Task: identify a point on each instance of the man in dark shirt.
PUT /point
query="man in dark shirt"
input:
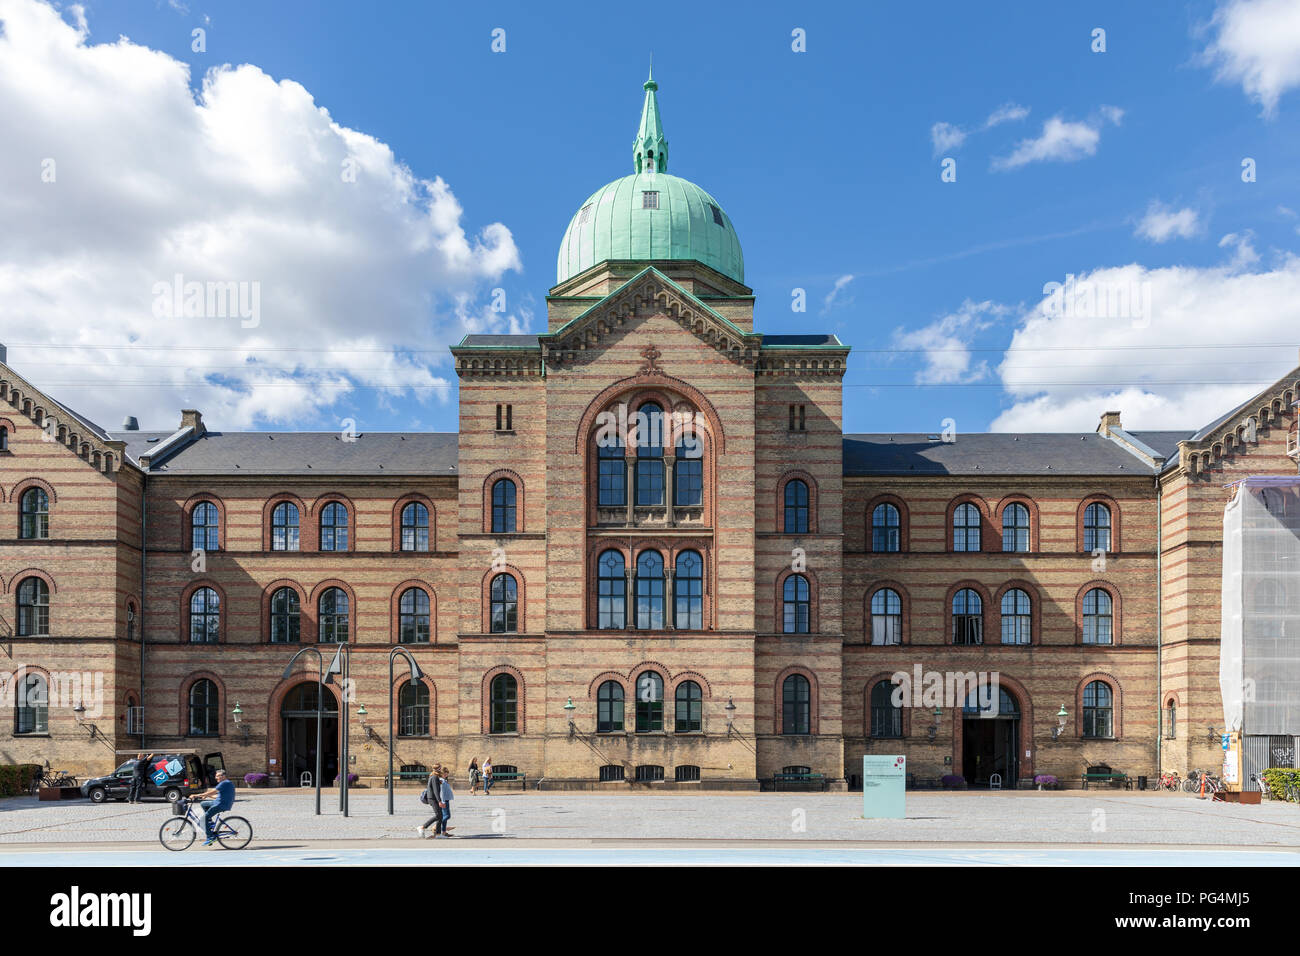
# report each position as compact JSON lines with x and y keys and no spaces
{"x":219,"y":798}
{"x":138,"y":777}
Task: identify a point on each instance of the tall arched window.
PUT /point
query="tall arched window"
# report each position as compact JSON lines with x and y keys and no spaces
{"x":504,"y":604}
{"x":611,"y":591}
{"x":966,"y":527}
{"x":609,"y":708}
{"x":334,"y":609}
{"x":886,"y":716}
{"x":886,"y":529}
{"x":688,"y":592}
{"x":649,"y":702}
{"x":1171,"y":719}
{"x":688,"y":472}
{"x":415,"y":527}
{"x":1097,"y":617}
{"x":334,"y":527}
{"x":33,"y":608}
{"x":796,"y":506}
{"x":649,"y":591}
{"x":35,"y":508}
{"x":1096,"y":527}
{"x":796,"y":605}
{"x":967,"y":617}
{"x":413,"y":710}
{"x":690,"y":708}
{"x":504,"y":705}
{"x":32,"y":709}
{"x":503,"y":506}
{"x":204,"y":532}
{"x":1098,"y":710}
{"x":1015,"y":528}
{"x":1017,"y":620}
{"x":4,"y":438}
{"x":611,"y":474}
{"x":413,"y":617}
{"x":284,"y":527}
{"x":130,"y":620}
{"x":650,"y":455}
{"x":205,"y":709}
{"x":286,"y":616}
{"x":796,"y":705}
{"x":205,"y":616}
{"x":886,"y":617}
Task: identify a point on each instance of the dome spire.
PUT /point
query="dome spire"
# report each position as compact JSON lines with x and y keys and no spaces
{"x":650,"y":148}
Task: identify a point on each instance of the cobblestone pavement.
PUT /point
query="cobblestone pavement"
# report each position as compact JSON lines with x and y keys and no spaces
{"x":983,"y":819}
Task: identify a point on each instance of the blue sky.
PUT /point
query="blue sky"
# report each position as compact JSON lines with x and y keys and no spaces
{"x":828,"y":162}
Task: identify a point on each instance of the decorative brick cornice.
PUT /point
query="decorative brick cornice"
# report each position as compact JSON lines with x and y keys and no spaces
{"x":104,"y":455}
{"x":1272,"y":408}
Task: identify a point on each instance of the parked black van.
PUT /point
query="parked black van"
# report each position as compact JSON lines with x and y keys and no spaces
{"x":171,"y":776}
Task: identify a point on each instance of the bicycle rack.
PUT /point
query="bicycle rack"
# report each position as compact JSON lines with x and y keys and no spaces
{"x":995,"y":781}
{"x":304,"y":779}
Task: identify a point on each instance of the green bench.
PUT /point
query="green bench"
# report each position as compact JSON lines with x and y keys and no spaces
{"x":1114,"y":778}
{"x":809,"y":779}
{"x":511,"y":776}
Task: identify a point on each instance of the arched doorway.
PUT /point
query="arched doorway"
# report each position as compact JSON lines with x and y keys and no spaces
{"x":298,"y":717}
{"x":991,"y":739}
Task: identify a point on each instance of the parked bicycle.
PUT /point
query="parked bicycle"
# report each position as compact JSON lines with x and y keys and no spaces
{"x":1193,"y":782}
{"x":1169,"y":780}
{"x":52,"y":778}
{"x":179,"y":832}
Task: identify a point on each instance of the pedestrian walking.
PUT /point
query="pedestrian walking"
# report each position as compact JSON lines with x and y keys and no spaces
{"x":432,"y":793}
{"x":138,"y":778}
{"x":487,"y":776}
{"x":447,"y":796}
{"x":473,"y":775}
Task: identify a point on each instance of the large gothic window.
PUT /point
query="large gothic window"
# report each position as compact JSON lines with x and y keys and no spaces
{"x":609,"y":708}
{"x":688,"y":473}
{"x":886,"y":715}
{"x":1097,"y":618}
{"x":503,"y":507}
{"x":885,"y":528}
{"x":650,"y":455}
{"x":205,"y":709}
{"x":32,"y":711}
{"x":284,"y":527}
{"x":611,"y":480}
{"x":1098,"y":710}
{"x":413,"y":617}
{"x":796,"y":605}
{"x":413,"y":710}
{"x":796,"y":703}
{"x":334,"y":527}
{"x":796,"y":507}
{"x":286,"y":616}
{"x":886,"y":617}
{"x":203,"y":526}
{"x":35,"y":508}
{"x":688,"y":592}
{"x":1017,"y":622}
{"x":967,"y":617}
{"x":649,"y":703}
{"x":504,"y":705}
{"x":33,"y":608}
{"x":334,"y":611}
{"x":504,"y":604}
{"x":415,"y":527}
{"x":205,"y":616}
{"x":966,"y":528}
{"x":1096,"y":527}
{"x":611,"y":591}
{"x":690,"y":704}
{"x":1015,"y":528}
{"x":649,"y":591}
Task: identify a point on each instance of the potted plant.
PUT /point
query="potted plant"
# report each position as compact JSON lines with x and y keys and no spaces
{"x":256,"y":779}
{"x":953,"y":781}
{"x":1046,"y":781}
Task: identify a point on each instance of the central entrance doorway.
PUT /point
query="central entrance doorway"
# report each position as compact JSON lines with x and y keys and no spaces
{"x":990,"y":741}
{"x":298,"y":715}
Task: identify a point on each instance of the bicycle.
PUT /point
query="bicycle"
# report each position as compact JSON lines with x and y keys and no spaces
{"x":179,"y":832}
{"x":1169,"y":780}
{"x":52,"y":778}
{"x":1193,"y":782}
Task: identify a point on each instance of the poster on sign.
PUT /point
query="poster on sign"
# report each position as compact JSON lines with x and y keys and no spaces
{"x":884,"y":778}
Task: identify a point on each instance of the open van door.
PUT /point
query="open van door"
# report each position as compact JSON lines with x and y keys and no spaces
{"x":211,"y":764}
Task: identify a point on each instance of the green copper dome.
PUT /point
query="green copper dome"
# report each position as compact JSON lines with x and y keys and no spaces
{"x":650,"y":214}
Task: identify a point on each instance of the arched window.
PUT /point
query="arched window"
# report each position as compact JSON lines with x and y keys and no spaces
{"x":1171,"y":719}
{"x":1097,"y":617}
{"x":333,"y":614}
{"x":649,"y":591}
{"x":205,"y":535}
{"x":611,"y":476}
{"x":688,"y":473}
{"x":284,"y":527}
{"x":979,"y":702}
{"x":886,"y":617}
{"x":503,"y":694}
{"x":650,"y":455}
{"x":966,"y":527}
{"x":504,"y":604}
{"x":1098,"y":710}
{"x":33,"y":608}
{"x":35,"y":509}
{"x":688,"y":592}
{"x":415,"y":527}
{"x":796,"y":506}
{"x":205,"y":709}
{"x":334,"y":527}
{"x":130,"y":621}
{"x":796,"y":705}
{"x":4,"y":438}
{"x":413,"y":710}
{"x":503,"y":506}
{"x":649,"y":702}
{"x":413,"y":617}
{"x":886,"y":533}
{"x":886,"y":716}
{"x":967,"y":617}
{"x":1017,"y":622}
{"x":32,"y":711}
{"x":205,"y":616}
{"x":690,"y":706}
{"x":611,"y":591}
{"x":286,"y":617}
{"x":609,"y":708}
{"x":796,"y":605}
{"x":1015,"y":528}
{"x":1096,"y":527}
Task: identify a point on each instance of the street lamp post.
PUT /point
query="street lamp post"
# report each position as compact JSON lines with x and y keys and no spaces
{"x":320,"y":691}
{"x":416,"y":674}
{"x":569,"y":709}
{"x":342,"y":665}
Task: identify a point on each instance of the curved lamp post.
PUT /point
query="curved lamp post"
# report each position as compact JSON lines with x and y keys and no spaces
{"x":342,"y":665}
{"x":569,"y":709}
{"x":416,"y":674}
{"x":320,"y":692}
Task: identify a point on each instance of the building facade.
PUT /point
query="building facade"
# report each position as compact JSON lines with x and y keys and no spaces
{"x":650,"y":554}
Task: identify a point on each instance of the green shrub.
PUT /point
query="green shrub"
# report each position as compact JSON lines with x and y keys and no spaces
{"x":17,"y":779}
{"x":1278,"y":777}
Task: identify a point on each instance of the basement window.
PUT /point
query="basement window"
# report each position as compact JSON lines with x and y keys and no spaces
{"x":650,"y":199}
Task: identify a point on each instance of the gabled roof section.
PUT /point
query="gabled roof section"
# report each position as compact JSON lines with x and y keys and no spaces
{"x":990,"y":453}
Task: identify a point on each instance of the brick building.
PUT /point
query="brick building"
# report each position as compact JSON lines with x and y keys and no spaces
{"x":649,"y":553}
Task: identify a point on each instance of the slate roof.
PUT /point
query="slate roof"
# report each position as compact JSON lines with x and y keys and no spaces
{"x":770,"y":341}
{"x":991,"y":453}
{"x":498,"y":342}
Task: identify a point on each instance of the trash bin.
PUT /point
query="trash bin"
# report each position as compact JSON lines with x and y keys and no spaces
{"x":1142,"y":783}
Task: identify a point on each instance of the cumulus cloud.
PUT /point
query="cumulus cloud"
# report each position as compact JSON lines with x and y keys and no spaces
{"x":1061,"y":140}
{"x":1256,"y":43}
{"x":1162,"y":223}
{"x":948,"y":136}
{"x":122,"y":179}
{"x":946,"y":344}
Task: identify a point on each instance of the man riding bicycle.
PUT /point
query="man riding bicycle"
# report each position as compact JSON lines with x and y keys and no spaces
{"x":214,"y":801}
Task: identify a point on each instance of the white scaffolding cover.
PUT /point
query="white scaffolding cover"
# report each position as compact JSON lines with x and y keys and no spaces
{"x":1259,"y":653}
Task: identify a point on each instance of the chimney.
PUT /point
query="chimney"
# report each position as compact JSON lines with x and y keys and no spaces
{"x":130,"y":424}
{"x":1109,"y":420}
{"x":192,"y":418}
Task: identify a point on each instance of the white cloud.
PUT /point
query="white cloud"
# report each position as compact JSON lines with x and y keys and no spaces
{"x":1061,"y":140}
{"x":1257,"y":44}
{"x":1162,"y":223}
{"x":946,"y":344}
{"x":948,"y":136}
{"x":247,"y":184}
{"x":833,"y":297}
{"x":1243,"y":250}
{"x":1006,"y":113}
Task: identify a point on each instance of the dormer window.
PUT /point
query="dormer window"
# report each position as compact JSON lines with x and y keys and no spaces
{"x":584,"y":214}
{"x":717,"y":214}
{"x":650,"y":199}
